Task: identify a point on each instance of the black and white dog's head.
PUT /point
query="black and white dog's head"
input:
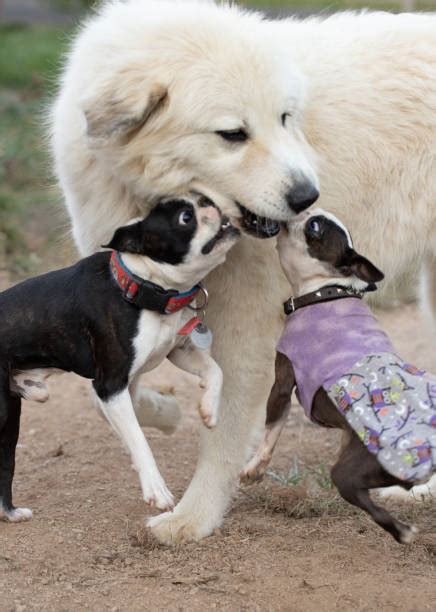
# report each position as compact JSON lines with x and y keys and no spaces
{"x":184,"y":238}
{"x":316,"y":249}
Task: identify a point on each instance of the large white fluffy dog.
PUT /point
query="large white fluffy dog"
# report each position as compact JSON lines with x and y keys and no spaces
{"x":159,"y":97}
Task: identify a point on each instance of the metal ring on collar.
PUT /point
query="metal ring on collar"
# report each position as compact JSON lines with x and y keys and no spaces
{"x":205,"y":300}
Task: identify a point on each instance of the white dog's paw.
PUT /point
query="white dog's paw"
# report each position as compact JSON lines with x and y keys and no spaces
{"x":421,"y":492}
{"x":153,"y":409}
{"x":173,"y":528}
{"x":180,"y":526}
{"x":16,"y":515}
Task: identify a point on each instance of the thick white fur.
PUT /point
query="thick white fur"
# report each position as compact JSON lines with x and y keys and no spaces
{"x":362,"y":90}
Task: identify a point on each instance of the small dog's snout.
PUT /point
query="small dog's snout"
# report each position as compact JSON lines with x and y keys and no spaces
{"x":204,"y":202}
{"x":302,"y":195}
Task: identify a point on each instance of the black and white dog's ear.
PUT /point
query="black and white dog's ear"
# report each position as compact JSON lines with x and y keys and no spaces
{"x":120,"y":108}
{"x":127,"y":239}
{"x":357,"y":265}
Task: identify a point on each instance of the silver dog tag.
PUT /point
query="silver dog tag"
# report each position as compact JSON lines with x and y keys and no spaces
{"x":201,"y":337}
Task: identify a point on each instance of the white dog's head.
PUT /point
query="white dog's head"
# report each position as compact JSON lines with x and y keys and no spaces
{"x":192,"y":96}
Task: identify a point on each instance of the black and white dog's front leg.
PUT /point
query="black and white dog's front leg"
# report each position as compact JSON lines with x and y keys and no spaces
{"x":10,"y":412}
{"x":119,"y":411}
{"x":200,"y":363}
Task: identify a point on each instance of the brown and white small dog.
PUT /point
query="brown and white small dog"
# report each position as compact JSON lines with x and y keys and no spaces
{"x":346,"y":371}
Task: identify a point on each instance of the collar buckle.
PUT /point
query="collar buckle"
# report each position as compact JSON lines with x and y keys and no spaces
{"x":289,"y":306}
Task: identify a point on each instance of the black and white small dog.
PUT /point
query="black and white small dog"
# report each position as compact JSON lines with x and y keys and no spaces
{"x":109,"y":318}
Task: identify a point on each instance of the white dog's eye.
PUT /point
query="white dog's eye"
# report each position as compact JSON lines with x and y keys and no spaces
{"x":239,"y":135}
{"x":286,"y":117}
{"x":185,"y":217}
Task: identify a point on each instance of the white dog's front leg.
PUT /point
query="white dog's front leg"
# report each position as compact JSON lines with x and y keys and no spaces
{"x":120,"y":413}
{"x":223,"y":452}
{"x":244,"y":348}
{"x":200,"y":363}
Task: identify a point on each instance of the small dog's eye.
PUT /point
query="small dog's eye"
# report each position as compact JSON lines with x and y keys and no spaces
{"x":314,"y":226}
{"x":233,"y":135}
{"x":186,"y":217}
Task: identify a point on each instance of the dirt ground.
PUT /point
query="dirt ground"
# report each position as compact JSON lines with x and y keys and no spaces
{"x":283,"y":546}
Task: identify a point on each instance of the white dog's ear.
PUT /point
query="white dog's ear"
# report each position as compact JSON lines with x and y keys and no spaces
{"x":121,"y":111}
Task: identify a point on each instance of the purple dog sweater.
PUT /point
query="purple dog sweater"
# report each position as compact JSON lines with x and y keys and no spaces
{"x":325,"y":340}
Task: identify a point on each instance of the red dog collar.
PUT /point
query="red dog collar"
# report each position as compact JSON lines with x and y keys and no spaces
{"x":145,"y":294}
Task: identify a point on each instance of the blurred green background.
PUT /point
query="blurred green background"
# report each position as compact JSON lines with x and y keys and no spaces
{"x":33,"y":36}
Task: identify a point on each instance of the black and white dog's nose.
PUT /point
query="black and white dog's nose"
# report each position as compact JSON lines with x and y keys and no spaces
{"x":302,"y":195}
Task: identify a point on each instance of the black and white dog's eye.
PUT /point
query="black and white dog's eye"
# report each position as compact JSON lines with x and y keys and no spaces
{"x":314,"y":226}
{"x":186,"y":217}
{"x":239,"y":135}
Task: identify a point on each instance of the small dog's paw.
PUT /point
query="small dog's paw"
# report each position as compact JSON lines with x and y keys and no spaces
{"x":159,"y":497}
{"x":16,"y":515}
{"x":209,"y":410}
{"x":209,"y":415}
{"x":251,"y":475}
{"x":255,"y":469}
{"x":408,"y":534}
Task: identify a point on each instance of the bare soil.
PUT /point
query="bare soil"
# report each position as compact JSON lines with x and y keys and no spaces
{"x":283,"y":546}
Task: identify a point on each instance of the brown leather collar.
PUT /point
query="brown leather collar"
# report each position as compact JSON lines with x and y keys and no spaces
{"x":325,"y":294}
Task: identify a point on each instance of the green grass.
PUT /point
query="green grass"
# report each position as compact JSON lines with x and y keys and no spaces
{"x":29,"y":63}
{"x":301,"y":474}
{"x":335,"y":5}
{"x":30,"y":55}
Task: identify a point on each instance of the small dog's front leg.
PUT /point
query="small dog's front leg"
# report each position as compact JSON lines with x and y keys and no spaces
{"x":118,"y":409}
{"x":279,"y":403}
{"x":200,"y":363}
{"x":256,"y":467}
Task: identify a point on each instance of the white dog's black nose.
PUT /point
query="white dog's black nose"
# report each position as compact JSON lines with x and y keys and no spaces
{"x":301,"y":195}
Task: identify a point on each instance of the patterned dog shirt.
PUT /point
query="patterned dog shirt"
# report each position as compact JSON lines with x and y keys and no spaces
{"x":390,"y":404}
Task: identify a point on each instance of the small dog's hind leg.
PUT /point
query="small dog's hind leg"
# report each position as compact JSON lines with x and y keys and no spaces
{"x":10,"y":412}
{"x":118,"y":410}
{"x":417,"y":493}
{"x":355,"y":472}
{"x":31,"y":384}
{"x":425,"y":491}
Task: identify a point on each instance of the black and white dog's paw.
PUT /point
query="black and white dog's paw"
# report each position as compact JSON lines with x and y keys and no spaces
{"x":15,"y":515}
{"x":158,"y":496}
